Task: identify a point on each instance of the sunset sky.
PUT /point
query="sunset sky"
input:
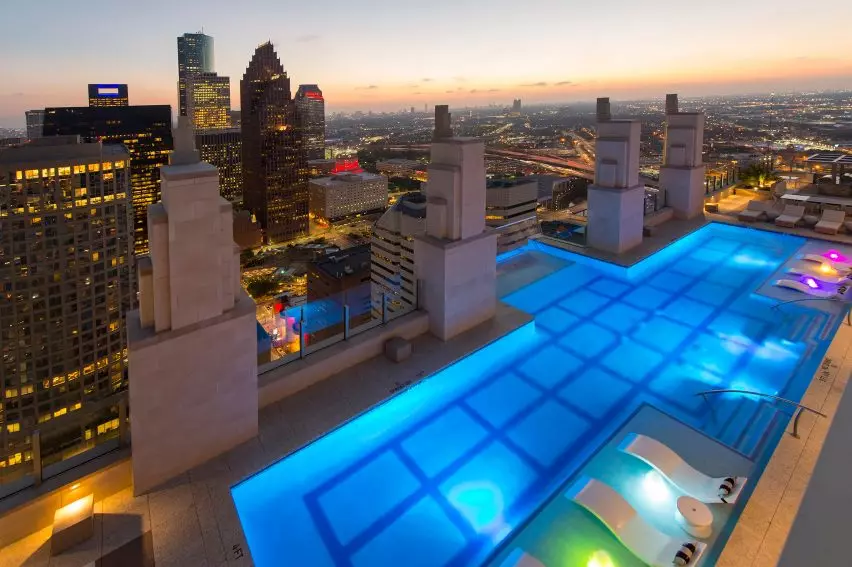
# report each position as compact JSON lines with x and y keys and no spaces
{"x":391,"y":54}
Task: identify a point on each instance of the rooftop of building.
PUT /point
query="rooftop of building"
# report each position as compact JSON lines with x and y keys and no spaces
{"x":506,"y":183}
{"x":55,"y":149}
{"x":412,"y":204}
{"x":345,"y":262}
{"x":830,"y":158}
{"x":347,"y":177}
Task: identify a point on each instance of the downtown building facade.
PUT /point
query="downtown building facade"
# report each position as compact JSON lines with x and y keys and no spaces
{"x":208,"y":101}
{"x":392,"y":264}
{"x":146,"y":133}
{"x":275,"y":172}
{"x":195,"y":56}
{"x":311,"y":106}
{"x":108,"y":95}
{"x":35,"y":123}
{"x":222,"y":148}
{"x":510,"y":208}
{"x":65,"y":268}
{"x":346,"y":195}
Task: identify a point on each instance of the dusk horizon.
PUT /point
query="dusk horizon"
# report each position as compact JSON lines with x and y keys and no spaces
{"x":385,"y":57}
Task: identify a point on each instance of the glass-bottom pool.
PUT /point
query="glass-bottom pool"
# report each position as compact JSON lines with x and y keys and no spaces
{"x":444,"y":471}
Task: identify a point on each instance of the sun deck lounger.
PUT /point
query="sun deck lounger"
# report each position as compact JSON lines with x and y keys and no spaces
{"x":668,"y":463}
{"x":791,"y":216}
{"x":839,"y":266}
{"x":831,"y":222}
{"x":520,"y":558}
{"x":755,"y":210}
{"x":806,"y":289}
{"x":644,"y":540}
{"x":830,"y":276}
{"x":774,"y":211}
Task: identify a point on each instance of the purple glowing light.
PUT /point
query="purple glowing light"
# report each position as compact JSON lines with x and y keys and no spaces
{"x":835,"y":256}
{"x":811,"y":283}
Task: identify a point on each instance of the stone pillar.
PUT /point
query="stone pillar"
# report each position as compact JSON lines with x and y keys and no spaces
{"x":192,"y":342}
{"x":682,"y":172}
{"x":616,"y":202}
{"x":456,"y":257}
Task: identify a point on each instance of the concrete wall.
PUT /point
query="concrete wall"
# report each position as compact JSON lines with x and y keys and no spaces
{"x":193,"y":392}
{"x":290,"y":378}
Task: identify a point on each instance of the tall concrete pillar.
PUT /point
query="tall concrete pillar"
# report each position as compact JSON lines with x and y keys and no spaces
{"x":682,"y":172}
{"x":456,"y":257}
{"x":192,"y":342}
{"x":616,"y":198}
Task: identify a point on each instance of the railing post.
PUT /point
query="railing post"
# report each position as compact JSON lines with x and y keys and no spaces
{"x":345,"y":322}
{"x":302,"y":332}
{"x":36,"y":444}
{"x":796,"y":417}
{"x":384,"y":308}
{"x":122,"y":422}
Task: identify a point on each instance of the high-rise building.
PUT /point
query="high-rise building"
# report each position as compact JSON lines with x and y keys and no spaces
{"x":208,"y":101}
{"x":275,"y":170}
{"x":510,"y":208}
{"x":108,"y":95}
{"x":392,"y":267}
{"x":65,"y":236}
{"x":516,"y":106}
{"x":345,"y":195}
{"x":222,"y":148}
{"x":195,"y":56}
{"x":35,"y":123}
{"x":145,"y":131}
{"x":311,"y":106}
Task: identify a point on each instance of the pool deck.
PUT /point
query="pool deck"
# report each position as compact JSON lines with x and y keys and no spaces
{"x":761,"y":532}
{"x":192,"y":521}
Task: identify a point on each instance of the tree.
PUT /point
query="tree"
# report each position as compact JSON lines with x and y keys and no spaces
{"x":757,"y":174}
{"x":261,"y":287}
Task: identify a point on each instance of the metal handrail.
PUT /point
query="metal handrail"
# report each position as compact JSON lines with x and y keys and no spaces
{"x":796,"y":415}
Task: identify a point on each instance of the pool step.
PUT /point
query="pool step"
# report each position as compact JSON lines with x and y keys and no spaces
{"x":741,"y":422}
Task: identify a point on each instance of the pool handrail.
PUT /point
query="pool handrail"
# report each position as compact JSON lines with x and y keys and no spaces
{"x":796,"y":415}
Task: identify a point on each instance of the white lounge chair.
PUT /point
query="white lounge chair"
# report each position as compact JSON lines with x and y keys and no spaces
{"x":791,"y":216}
{"x":836,"y":264}
{"x":644,"y":540}
{"x":817,"y":291}
{"x":811,"y":270}
{"x":520,"y":558}
{"x":672,"y":466}
{"x":831,"y":222}
{"x":755,"y":210}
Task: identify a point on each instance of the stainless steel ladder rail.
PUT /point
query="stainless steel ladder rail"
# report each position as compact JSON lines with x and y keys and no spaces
{"x":796,"y":415}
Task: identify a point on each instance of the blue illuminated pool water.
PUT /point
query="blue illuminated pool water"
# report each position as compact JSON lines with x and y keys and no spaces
{"x":444,"y":471}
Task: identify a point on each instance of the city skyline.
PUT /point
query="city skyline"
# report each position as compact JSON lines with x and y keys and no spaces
{"x":546,"y":51}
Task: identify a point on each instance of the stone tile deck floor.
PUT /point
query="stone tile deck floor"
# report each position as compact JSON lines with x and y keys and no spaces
{"x":192,"y":520}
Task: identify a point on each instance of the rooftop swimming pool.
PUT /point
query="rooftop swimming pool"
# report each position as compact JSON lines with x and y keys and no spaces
{"x":444,"y":471}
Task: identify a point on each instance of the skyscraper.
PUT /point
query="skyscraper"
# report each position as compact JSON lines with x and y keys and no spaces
{"x":108,"y":95}
{"x":222,"y":148}
{"x":275,"y":170}
{"x":35,"y":123}
{"x":208,"y":101}
{"x":311,"y":106}
{"x":195,"y":56}
{"x":65,"y":236}
{"x":145,"y":131}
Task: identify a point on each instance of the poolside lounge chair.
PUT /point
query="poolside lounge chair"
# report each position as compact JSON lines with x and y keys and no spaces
{"x":755,"y":210}
{"x":774,"y":211}
{"x":520,"y":558}
{"x":791,"y":216}
{"x":837,"y":265}
{"x":644,"y":540}
{"x":817,"y":292}
{"x":831,"y":276}
{"x":694,"y":483}
{"x":831,"y":222}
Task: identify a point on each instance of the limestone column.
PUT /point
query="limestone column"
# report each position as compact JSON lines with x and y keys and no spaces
{"x":616,"y":199}
{"x":682,"y":173}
